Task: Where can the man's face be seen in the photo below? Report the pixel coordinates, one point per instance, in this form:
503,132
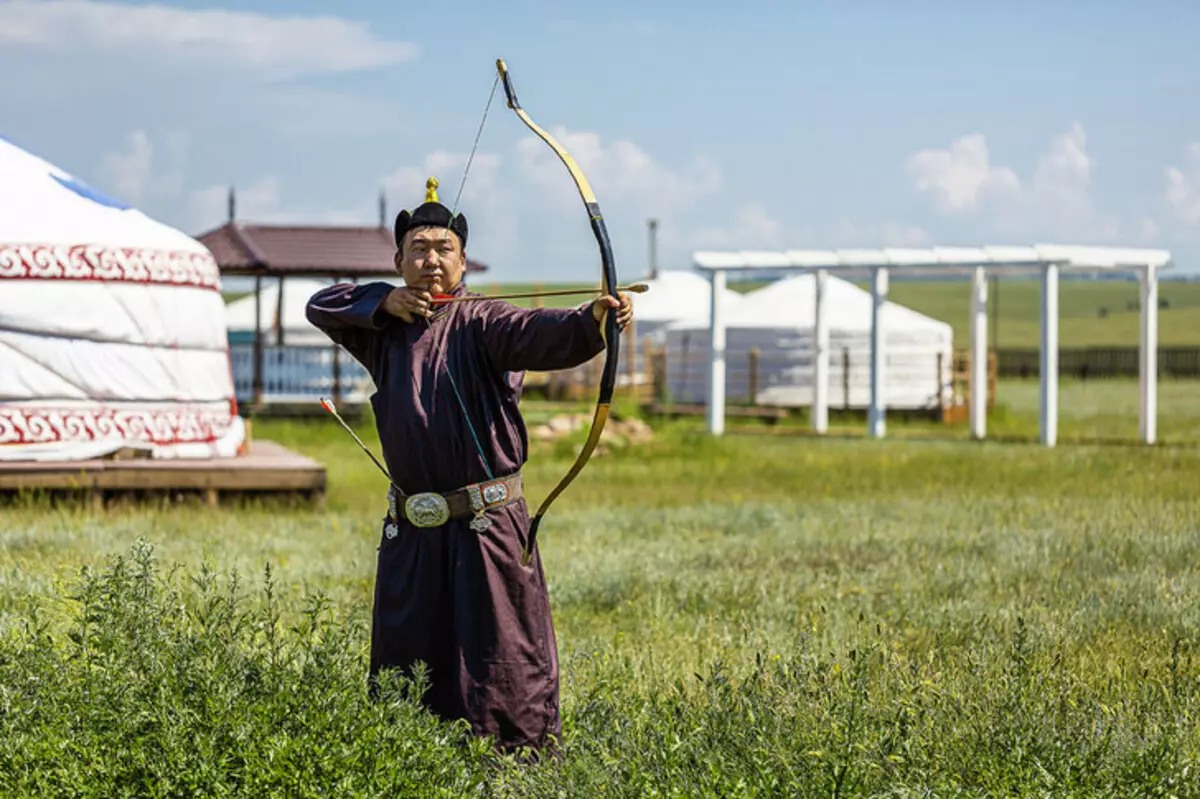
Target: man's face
432,259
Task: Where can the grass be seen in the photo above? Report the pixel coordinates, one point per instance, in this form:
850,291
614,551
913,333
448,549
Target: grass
750,616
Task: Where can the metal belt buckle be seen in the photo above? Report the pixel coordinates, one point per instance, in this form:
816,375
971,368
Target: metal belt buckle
427,510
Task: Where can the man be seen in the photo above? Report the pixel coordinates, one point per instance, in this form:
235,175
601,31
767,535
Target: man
451,590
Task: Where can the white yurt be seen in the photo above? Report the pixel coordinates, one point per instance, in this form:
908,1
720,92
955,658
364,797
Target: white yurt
673,296
777,322
112,327
291,315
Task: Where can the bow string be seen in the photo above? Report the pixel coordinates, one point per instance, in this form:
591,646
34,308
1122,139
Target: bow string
609,330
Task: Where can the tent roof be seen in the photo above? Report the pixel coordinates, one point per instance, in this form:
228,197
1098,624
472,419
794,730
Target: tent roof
312,250
940,259
678,295
790,304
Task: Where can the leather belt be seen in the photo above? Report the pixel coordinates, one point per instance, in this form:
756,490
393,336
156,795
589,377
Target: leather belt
431,509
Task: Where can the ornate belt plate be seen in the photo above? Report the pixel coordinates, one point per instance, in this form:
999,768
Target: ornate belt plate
427,510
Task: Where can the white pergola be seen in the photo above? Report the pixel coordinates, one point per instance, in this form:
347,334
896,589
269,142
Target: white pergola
1048,260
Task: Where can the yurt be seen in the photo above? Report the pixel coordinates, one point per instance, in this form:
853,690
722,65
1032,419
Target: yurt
289,318
112,327
673,296
776,324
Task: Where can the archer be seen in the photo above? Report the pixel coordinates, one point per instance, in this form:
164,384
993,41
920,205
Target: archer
453,588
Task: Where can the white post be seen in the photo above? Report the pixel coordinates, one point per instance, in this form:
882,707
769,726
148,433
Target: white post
1049,359
876,426
820,408
979,352
1148,357
716,370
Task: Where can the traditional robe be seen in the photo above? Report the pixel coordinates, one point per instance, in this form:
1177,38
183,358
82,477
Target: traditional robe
457,600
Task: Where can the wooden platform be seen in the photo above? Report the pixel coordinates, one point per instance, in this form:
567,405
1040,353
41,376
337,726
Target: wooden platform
267,468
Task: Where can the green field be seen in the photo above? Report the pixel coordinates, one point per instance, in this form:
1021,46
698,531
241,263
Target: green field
751,616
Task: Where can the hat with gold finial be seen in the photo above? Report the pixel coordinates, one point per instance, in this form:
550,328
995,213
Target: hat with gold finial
430,213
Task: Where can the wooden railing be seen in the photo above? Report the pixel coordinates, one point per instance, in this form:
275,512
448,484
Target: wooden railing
1100,362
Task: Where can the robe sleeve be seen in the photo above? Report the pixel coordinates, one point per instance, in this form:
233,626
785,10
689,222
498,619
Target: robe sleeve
352,316
541,339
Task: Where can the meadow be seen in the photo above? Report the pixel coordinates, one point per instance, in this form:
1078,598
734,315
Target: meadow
760,615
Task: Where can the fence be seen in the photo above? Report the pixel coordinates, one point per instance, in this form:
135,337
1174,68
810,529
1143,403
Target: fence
299,374
1100,362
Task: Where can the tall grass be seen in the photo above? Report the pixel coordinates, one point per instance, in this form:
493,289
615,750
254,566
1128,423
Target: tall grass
753,616
174,684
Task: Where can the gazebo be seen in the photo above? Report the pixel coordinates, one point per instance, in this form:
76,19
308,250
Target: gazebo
311,251
1044,260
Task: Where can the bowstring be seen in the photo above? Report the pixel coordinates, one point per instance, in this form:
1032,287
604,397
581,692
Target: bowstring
453,215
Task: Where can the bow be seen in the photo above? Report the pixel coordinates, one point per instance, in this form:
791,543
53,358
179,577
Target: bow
610,332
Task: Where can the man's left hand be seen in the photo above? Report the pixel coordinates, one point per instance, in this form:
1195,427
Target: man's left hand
624,309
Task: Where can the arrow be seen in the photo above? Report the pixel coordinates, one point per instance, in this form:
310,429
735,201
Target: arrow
636,288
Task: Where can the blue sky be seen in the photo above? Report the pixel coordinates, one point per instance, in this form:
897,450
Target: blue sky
749,125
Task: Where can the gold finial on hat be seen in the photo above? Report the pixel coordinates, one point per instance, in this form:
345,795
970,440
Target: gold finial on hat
431,190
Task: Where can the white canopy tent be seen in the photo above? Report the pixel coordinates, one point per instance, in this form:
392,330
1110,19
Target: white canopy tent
112,331
776,323
1047,260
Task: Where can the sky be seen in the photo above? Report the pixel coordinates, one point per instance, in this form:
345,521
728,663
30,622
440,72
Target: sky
748,125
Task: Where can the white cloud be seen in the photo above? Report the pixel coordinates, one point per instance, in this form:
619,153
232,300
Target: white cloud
961,176
272,47
258,202
1183,187
142,172
1057,201
129,172
888,234
752,228
620,171
407,183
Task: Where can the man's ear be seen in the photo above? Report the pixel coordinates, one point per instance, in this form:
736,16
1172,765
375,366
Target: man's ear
398,261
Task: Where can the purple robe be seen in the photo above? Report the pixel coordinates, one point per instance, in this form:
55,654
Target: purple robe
457,600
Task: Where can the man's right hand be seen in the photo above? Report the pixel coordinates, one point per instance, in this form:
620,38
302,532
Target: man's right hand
408,303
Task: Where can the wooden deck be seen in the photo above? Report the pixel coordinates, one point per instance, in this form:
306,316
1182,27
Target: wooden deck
268,468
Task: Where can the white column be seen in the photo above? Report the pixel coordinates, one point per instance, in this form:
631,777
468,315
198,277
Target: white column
1148,357
876,426
820,407
1049,359
716,370
979,352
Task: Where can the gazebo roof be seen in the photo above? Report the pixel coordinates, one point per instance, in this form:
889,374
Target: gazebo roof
940,259
308,250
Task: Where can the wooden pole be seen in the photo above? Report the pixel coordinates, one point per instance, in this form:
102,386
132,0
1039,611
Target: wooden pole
754,375
941,391
629,348
846,378
337,376
258,344
991,380
279,315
